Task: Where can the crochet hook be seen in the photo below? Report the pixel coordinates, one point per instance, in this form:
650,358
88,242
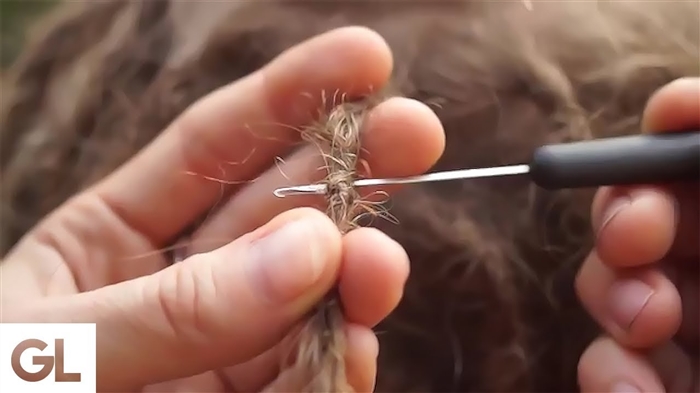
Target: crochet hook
638,159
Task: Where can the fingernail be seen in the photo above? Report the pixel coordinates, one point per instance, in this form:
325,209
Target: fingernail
286,262
627,298
615,207
624,387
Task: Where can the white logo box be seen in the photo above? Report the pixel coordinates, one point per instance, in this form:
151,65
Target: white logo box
79,342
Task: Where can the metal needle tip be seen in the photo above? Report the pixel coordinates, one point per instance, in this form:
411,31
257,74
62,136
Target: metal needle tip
309,189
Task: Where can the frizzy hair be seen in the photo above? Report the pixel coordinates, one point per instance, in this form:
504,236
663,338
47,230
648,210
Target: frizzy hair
490,304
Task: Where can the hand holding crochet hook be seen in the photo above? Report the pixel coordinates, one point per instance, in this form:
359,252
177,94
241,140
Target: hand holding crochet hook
640,283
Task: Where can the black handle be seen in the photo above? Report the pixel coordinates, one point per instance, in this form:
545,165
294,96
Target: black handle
639,159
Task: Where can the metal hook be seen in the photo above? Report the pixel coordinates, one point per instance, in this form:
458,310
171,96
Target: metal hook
320,189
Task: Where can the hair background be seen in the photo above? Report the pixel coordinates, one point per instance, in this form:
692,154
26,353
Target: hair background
489,305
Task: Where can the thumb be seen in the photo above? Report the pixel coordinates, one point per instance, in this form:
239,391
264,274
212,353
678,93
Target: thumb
212,310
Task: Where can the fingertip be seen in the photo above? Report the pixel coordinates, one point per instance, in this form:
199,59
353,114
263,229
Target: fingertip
639,307
404,137
637,227
369,43
647,319
365,49
674,107
348,61
326,229
294,259
605,366
326,233
374,273
361,357
363,339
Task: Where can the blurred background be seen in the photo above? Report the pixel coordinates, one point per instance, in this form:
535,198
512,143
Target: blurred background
15,16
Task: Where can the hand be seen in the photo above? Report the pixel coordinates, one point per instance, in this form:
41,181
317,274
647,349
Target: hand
226,308
641,281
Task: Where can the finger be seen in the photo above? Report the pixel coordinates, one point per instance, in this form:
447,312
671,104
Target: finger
373,273
401,137
360,363
674,107
214,309
606,366
206,382
638,307
635,226
361,358
248,122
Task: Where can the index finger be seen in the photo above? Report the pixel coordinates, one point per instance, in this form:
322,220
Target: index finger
674,107
248,122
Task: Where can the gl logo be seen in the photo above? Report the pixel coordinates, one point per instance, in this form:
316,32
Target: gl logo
47,362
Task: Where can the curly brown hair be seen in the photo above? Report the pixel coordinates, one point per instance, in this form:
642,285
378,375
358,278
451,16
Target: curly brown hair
490,304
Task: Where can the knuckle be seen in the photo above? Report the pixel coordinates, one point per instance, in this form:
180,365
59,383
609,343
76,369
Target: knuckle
181,302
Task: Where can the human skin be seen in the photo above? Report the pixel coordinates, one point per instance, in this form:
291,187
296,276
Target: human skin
641,281
215,320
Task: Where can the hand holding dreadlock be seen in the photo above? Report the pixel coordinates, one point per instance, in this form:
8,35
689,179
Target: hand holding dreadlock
227,309
641,281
